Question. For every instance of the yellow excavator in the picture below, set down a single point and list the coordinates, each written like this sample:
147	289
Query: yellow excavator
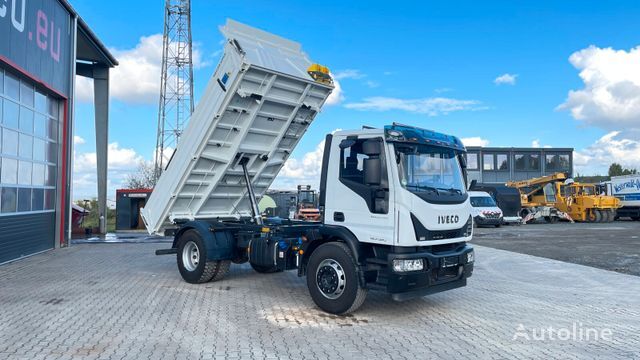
557	196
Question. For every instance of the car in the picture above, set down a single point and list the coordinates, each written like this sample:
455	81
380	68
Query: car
485	212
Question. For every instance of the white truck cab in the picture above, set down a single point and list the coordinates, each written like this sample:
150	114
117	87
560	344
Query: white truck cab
388	186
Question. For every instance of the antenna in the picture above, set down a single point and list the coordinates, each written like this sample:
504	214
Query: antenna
176	82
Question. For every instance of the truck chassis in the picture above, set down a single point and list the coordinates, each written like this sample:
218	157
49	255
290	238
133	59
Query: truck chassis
339	269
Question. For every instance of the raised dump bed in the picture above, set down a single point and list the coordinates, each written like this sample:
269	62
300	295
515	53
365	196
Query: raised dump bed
256	107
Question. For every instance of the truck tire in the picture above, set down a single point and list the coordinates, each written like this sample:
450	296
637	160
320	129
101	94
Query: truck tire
264	269
611	215
192	260
599	216
333	279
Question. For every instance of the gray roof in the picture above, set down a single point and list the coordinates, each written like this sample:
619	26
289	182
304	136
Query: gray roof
89	47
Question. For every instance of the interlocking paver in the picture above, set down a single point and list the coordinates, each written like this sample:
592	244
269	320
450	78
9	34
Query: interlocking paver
121	301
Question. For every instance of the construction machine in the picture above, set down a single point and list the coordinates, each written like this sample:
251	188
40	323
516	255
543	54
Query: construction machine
557	196
307	204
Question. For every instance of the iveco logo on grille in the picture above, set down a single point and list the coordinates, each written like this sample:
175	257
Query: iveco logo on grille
448	219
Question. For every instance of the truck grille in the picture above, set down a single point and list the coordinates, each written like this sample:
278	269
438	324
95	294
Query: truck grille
423	234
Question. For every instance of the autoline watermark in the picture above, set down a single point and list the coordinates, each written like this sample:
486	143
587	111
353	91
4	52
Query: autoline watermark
577	332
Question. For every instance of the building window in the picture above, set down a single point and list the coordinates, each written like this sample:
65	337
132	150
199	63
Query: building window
526	162
563	160
557	162
28	147
472	161
488	162
520	162
502	161
534	162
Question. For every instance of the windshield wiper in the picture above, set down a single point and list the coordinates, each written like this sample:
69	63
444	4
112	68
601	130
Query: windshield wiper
425	187
452	190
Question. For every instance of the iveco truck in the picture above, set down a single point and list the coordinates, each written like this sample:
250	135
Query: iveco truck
396	215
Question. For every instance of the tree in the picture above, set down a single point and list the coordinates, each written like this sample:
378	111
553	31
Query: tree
617	170
144	177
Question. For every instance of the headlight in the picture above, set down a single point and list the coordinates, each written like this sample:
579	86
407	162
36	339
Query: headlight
401	265
470	257
468	227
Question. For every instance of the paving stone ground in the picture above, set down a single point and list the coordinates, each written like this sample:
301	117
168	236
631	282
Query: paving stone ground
120	301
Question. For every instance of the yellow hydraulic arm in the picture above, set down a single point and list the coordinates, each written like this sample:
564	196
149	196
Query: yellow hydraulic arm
540	181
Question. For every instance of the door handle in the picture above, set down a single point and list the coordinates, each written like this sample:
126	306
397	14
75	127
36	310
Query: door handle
338	216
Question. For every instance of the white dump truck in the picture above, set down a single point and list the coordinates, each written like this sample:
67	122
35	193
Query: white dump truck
396	215
627	189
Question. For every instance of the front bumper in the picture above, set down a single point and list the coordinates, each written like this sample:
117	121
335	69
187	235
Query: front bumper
443	271
479	220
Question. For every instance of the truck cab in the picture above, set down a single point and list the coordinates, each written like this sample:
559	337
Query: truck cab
397	186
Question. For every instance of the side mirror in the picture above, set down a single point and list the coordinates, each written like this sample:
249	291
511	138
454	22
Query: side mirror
372	147
372	171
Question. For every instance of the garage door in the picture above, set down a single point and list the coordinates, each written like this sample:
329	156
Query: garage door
29	134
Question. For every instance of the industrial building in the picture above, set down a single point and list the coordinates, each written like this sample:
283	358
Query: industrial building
501	164
45	44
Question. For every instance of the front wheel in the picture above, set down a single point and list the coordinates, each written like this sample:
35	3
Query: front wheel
332	279
192	260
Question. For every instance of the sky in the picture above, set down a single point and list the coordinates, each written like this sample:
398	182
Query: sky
499	73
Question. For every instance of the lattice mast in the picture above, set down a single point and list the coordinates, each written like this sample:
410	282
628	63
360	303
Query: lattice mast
176	83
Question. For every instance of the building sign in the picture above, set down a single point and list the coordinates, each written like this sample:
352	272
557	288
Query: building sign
36	36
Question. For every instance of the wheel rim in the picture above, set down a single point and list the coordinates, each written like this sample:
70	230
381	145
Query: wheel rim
330	279
190	256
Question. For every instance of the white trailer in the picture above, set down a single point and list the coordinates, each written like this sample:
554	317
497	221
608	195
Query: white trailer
396	214
627	189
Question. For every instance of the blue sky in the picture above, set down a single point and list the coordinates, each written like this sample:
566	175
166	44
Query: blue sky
404	56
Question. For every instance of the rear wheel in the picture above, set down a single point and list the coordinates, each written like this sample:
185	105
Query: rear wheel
192	260
332	279
635	218
591	215
611	214
599	216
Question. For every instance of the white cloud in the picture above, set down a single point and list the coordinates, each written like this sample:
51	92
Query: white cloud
122	161
301	171
475	141
430	106
506	79
535	143
372	84
348	74
610	148
137	78
336	96
611	95
77	140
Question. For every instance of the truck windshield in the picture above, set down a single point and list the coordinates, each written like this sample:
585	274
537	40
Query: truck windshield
482	201
429	169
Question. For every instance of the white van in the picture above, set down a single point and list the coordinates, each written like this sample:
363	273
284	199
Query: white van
484	210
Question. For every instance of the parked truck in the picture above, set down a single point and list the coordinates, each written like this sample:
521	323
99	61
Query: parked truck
396	215
627	189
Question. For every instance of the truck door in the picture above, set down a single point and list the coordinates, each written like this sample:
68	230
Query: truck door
358	192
